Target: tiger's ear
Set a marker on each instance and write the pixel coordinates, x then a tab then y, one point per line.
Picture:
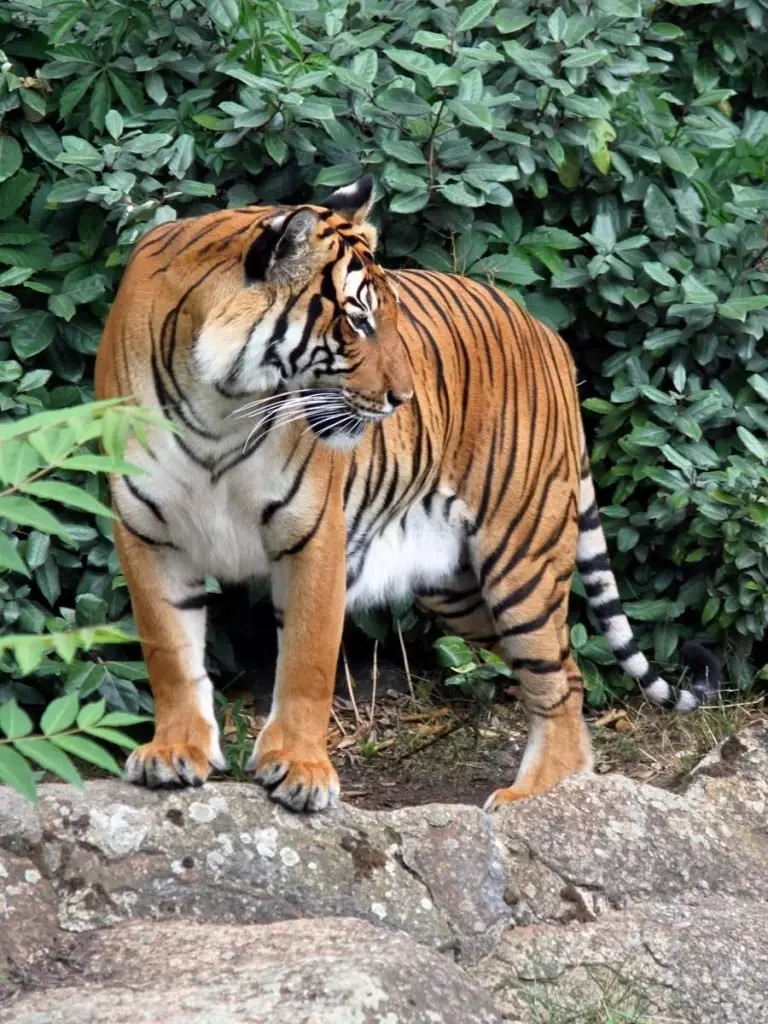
353	202
280	253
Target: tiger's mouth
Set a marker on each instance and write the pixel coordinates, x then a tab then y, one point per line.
336	421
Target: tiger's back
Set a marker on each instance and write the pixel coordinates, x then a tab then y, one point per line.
358	435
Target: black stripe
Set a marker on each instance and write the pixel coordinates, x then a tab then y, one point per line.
193	603
589	520
533	624
538	666
596	563
629	650
300	544
151	505
608	609
147	540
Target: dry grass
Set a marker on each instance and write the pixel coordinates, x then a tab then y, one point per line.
659	747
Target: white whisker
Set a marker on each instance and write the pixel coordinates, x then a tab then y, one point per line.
282	419
279	398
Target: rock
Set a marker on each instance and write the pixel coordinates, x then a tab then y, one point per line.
323	971
631	842
734	778
600	884
226	853
28	916
678	964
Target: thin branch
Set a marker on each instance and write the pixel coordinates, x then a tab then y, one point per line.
375	680
405	663
350	688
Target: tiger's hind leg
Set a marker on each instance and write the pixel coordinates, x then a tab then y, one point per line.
532	626
558	741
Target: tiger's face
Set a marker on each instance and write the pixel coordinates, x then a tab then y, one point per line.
315	321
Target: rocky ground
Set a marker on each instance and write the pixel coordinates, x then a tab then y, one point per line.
215	906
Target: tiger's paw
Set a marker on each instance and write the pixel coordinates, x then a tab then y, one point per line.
508	795
171	765
299	785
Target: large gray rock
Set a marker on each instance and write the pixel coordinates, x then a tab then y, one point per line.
599	879
226	853
655	963
336	971
734	778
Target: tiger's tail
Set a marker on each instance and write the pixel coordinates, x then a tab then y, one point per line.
603	595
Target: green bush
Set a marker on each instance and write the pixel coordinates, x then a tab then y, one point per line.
35	453
604	160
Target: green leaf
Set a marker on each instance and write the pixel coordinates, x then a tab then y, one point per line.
579	636
183	151
758	448
28	513
51	759
10	558
14	721
659	213
555	238
114	718
15	771
697	293
112	736
42	140
87	750
114	123
60	714
10	156
453	652
33	334
155	88
90	714
412	60
650	611
511	269
402	101
659	273
474	15
737	308
61	306
225	13
67	494
14	191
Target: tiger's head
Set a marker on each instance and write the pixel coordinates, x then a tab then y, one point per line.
315	319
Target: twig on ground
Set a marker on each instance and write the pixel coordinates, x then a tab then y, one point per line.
338	721
405	663
374	680
350	688
448	731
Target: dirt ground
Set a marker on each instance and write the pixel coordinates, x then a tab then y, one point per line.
415	743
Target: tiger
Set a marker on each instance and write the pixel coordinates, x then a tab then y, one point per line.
354	435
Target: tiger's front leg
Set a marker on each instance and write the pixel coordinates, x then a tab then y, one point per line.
290	758
169	607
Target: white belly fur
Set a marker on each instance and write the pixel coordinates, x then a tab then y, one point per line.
218	528
400	561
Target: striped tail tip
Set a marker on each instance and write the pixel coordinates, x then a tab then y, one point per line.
704	686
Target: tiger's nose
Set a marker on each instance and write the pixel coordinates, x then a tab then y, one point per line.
395	398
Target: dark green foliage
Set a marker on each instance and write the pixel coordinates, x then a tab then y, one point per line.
604	160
